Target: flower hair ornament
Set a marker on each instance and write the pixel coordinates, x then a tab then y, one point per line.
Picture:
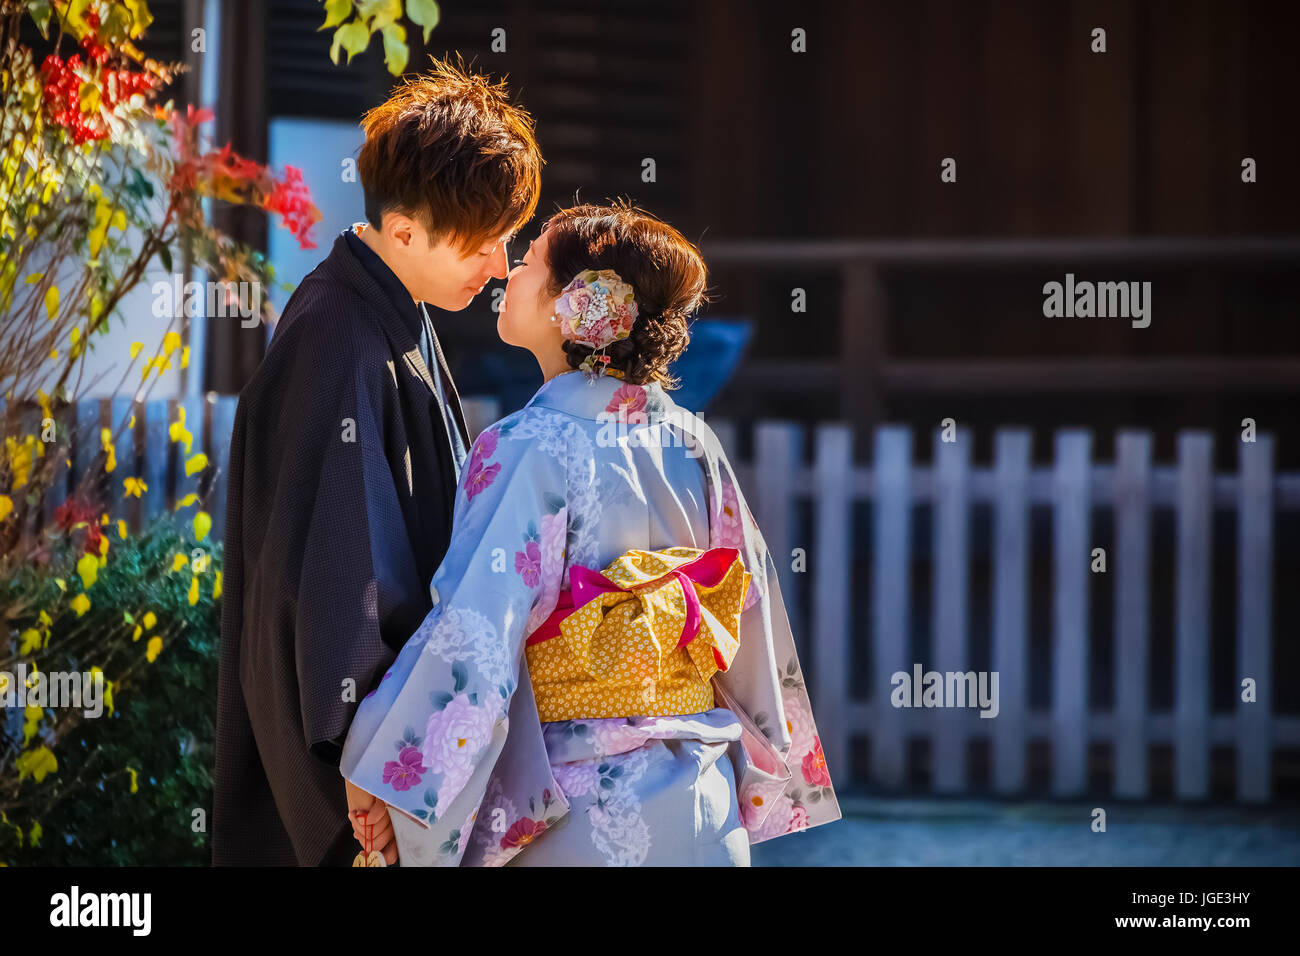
596	309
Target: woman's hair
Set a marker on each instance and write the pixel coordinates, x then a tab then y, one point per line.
450	150
665	270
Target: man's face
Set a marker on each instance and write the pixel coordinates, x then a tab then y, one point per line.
439	272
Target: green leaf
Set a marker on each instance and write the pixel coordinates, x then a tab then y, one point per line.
395	50
352	37
336	11
165	254
139	186
117	23
379	13
423	13
41	15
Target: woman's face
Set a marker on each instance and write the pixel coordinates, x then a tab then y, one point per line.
526	313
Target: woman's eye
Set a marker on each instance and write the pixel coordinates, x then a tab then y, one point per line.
520	262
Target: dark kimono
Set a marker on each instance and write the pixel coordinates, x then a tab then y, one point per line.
343	473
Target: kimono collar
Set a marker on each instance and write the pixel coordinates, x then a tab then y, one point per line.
569	392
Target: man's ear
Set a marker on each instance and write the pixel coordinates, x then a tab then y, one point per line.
400	229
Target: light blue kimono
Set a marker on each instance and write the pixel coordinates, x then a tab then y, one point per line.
451	739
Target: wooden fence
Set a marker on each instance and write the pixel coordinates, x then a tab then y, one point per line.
1072	487
777	480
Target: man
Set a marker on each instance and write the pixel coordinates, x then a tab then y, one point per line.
346	450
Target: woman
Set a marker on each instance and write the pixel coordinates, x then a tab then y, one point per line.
607	617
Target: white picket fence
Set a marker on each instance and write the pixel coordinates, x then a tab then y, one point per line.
777	477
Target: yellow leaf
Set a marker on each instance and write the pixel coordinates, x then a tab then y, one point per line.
352	37
185	357
88	568
135	779
395	50
197	463
34	837
100	229
52	302
81	603
31	640
194	590
36	763
336	11
138	631
186	501
121	528
178	432
6	506
202	525
153	649
216	587
179	562
171	342
150	619
136	348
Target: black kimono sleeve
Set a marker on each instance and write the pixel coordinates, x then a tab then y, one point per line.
323	586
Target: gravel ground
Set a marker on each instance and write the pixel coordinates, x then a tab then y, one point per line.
879	832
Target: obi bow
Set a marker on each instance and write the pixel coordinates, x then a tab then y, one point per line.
642	637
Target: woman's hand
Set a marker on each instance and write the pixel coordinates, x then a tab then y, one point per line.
367	811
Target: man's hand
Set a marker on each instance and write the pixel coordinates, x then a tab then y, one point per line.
368	813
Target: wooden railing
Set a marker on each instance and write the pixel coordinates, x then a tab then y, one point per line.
861	370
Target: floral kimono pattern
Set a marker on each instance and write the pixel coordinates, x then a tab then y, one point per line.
450	738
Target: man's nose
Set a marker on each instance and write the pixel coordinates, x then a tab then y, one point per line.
499	266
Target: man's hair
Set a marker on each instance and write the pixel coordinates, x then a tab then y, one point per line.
449	150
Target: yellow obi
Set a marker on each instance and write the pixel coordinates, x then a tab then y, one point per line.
641	638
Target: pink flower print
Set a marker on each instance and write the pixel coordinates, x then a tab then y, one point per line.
486	445
554	532
453	740
729	531
405	772
777	821
529	563
614	735
522	832
798	820
628	403
479	477
798	724
814	766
